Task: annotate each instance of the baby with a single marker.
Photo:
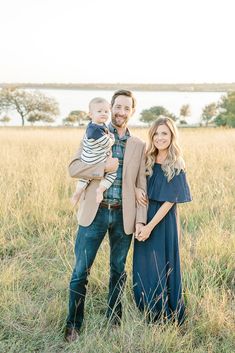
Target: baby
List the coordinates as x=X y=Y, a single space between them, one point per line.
x=97 y=144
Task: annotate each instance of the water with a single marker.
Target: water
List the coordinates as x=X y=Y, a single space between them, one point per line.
x=78 y=100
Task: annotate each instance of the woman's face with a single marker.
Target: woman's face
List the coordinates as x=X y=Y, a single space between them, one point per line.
x=162 y=138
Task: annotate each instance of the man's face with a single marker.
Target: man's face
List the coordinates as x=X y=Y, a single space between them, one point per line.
x=121 y=111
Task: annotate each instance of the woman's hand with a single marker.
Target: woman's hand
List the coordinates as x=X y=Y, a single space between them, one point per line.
x=141 y=198
x=144 y=234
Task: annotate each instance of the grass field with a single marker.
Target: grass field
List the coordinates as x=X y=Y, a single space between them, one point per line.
x=36 y=250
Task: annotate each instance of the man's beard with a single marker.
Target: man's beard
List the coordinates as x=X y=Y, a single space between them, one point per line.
x=119 y=121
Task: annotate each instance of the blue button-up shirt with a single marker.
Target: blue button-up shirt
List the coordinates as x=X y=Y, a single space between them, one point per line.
x=114 y=193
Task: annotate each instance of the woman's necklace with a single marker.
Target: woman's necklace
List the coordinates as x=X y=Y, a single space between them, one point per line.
x=161 y=159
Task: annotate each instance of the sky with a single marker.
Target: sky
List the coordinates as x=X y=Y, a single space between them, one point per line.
x=139 y=41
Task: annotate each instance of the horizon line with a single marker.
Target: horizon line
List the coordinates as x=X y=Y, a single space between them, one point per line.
x=180 y=87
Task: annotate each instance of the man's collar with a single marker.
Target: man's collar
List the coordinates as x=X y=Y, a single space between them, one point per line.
x=113 y=129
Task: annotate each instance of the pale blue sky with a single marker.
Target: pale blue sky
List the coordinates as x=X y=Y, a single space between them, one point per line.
x=117 y=41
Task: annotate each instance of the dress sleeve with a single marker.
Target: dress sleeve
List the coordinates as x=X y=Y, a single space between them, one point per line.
x=176 y=190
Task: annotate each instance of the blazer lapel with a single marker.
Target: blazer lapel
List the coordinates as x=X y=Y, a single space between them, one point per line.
x=129 y=151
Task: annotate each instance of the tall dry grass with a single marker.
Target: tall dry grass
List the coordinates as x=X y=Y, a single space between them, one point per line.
x=36 y=250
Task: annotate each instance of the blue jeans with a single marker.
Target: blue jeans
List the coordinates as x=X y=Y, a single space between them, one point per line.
x=87 y=244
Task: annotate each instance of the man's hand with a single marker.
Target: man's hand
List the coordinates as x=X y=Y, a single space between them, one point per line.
x=111 y=165
x=141 y=198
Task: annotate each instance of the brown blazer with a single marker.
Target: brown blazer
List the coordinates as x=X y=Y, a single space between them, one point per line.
x=133 y=175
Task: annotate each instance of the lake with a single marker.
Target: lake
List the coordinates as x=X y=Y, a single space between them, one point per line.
x=78 y=100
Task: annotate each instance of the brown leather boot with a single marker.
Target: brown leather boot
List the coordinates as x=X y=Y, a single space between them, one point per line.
x=71 y=334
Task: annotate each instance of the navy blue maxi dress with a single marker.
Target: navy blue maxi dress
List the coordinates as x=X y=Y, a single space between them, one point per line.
x=156 y=263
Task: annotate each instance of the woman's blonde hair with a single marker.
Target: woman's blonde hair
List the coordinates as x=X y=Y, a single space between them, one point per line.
x=174 y=162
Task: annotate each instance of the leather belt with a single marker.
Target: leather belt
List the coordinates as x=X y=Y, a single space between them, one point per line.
x=110 y=206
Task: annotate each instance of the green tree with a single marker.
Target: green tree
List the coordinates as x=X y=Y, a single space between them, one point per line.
x=5 y=119
x=76 y=116
x=149 y=115
x=31 y=106
x=226 y=107
x=209 y=112
x=185 y=112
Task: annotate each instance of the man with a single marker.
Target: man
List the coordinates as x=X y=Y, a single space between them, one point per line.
x=117 y=214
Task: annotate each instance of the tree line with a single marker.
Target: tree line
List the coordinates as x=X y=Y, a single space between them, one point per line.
x=34 y=106
x=221 y=113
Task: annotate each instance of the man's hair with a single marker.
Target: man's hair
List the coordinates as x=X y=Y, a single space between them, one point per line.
x=123 y=92
x=95 y=101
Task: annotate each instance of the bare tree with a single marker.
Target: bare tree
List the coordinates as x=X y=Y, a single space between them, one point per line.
x=31 y=106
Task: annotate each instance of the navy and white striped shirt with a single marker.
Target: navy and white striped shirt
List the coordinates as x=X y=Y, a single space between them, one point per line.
x=97 y=144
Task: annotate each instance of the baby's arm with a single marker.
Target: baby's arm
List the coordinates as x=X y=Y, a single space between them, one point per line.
x=79 y=169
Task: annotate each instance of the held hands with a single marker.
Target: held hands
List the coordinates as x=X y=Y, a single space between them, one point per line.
x=138 y=228
x=141 y=198
x=111 y=165
x=143 y=232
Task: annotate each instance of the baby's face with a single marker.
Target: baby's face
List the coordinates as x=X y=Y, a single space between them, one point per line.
x=100 y=112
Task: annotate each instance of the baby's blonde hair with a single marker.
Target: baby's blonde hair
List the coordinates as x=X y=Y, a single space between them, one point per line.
x=95 y=101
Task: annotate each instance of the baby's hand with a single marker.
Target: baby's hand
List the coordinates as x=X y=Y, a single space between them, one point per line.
x=111 y=135
x=141 y=198
x=112 y=139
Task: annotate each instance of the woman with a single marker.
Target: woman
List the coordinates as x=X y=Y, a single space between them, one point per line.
x=156 y=264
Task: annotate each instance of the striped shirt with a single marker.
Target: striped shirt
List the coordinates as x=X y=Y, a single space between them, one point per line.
x=96 y=144
x=114 y=193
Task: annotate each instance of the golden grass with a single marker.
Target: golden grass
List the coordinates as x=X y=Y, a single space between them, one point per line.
x=36 y=250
